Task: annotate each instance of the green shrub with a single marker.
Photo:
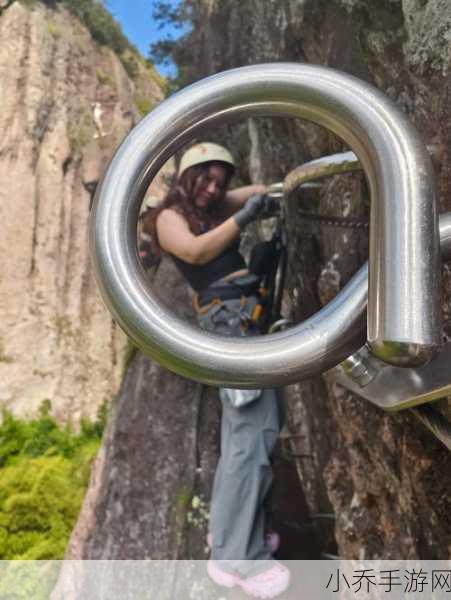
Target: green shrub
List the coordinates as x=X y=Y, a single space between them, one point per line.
x=103 y=78
x=144 y=105
x=44 y=473
x=5 y=358
x=129 y=354
x=101 y=24
x=28 y=3
x=105 y=30
x=161 y=81
x=53 y=29
x=80 y=131
x=21 y=580
x=131 y=63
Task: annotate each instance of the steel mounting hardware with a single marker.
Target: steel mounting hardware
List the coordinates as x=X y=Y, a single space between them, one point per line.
x=404 y=317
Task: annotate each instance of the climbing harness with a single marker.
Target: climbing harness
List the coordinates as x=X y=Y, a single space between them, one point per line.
x=404 y=316
x=269 y=261
x=231 y=317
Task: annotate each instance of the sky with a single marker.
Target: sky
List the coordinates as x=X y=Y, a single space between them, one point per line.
x=135 y=18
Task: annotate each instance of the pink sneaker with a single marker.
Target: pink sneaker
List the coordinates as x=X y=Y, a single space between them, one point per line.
x=268 y=584
x=272 y=541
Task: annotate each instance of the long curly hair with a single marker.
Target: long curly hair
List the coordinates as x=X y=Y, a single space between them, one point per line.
x=181 y=198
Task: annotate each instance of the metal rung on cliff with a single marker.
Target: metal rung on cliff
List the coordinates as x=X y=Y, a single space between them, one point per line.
x=404 y=317
x=389 y=387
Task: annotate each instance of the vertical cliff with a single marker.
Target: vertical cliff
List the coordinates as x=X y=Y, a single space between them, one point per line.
x=383 y=476
x=66 y=103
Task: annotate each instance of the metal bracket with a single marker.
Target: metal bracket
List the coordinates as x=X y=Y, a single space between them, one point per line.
x=395 y=388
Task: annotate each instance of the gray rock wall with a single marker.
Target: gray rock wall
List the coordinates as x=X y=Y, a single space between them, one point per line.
x=386 y=478
x=157 y=457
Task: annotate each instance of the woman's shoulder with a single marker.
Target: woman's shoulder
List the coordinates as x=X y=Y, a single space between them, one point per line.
x=171 y=215
x=171 y=211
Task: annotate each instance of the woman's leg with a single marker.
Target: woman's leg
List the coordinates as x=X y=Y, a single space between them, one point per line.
x=244 y=473
x=242 y=481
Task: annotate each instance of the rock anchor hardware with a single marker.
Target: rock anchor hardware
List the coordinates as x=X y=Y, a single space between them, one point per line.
x=389 y=387
x=404 y=317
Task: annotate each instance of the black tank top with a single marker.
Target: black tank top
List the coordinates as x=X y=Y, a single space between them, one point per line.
x=201 y=276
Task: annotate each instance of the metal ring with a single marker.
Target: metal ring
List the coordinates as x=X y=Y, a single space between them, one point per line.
x=404 y=311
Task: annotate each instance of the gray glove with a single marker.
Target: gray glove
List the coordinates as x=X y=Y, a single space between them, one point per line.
x=258 y=206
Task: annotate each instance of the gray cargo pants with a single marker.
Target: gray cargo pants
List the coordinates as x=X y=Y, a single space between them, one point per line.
x=249 y=429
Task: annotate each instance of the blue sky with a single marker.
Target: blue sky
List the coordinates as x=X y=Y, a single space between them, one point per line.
x=135 y=17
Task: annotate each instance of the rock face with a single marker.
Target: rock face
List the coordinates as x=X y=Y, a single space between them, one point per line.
x=159 y=454
x=66 y=104
x=383 y=476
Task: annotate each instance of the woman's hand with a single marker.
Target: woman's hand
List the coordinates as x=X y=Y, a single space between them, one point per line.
x=235 y=199
x=259 y=206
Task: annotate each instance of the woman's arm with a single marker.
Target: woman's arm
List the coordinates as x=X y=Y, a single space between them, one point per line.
x=237 y=198
x=175 y=237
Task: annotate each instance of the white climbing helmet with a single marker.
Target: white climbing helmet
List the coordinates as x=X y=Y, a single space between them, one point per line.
x=205 y=152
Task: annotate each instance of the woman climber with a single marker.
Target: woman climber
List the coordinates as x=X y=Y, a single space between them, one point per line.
x=199 y=225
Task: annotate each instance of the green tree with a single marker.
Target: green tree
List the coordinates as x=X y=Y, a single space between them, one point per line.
x=175 y=15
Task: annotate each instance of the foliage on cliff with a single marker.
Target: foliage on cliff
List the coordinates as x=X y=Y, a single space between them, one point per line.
x=180 y=16
x=106 y=31
x=44 y=471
